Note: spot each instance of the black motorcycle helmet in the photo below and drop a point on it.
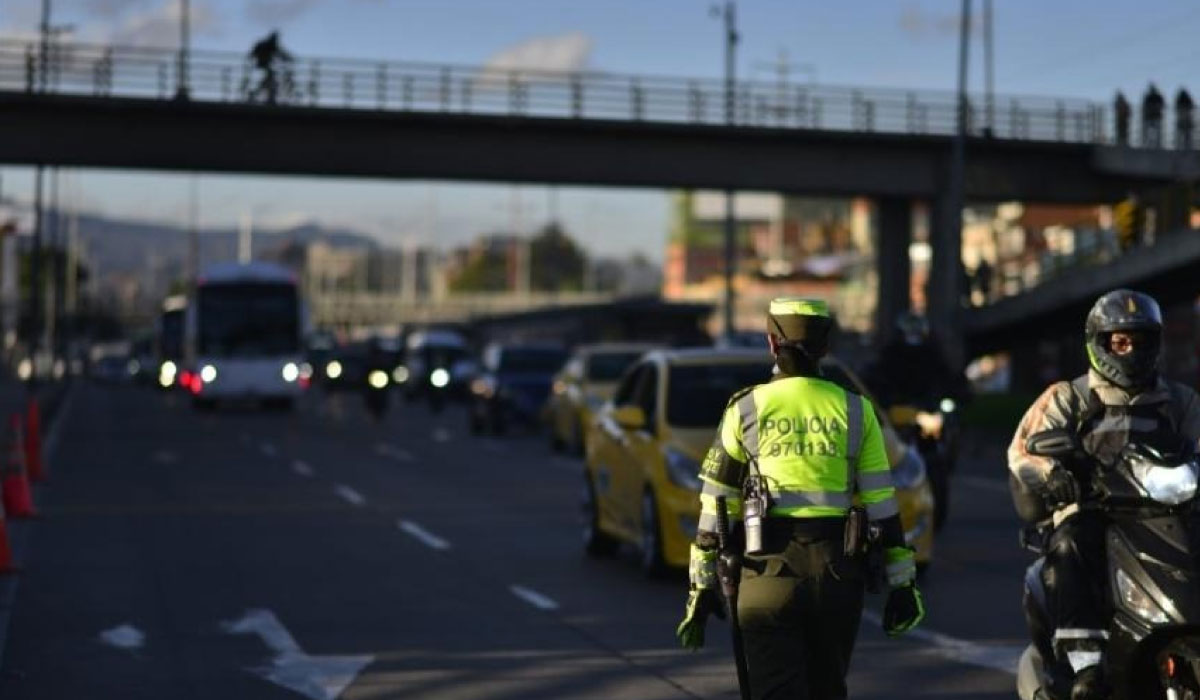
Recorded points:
(1124, 310)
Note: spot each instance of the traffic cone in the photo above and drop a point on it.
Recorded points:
(7, 564)
(17, 497)
(33, 442)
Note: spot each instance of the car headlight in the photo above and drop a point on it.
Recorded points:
(208, 374)
(306, 370)
(947, 405)
(1168, 485)
(400, 374)
(683, 471)
(930, 423)
(909, 473)
(378, 379)
(333, 370)
(439, 377)
(290, 372)
(484, 386)
(1136, 600)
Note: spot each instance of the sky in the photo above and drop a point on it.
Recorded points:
(1068, 48)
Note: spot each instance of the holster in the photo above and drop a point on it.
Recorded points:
(864, 540)
(855, 538)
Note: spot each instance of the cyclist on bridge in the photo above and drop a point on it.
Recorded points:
(267, 55)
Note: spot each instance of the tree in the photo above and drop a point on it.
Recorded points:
(558, 262)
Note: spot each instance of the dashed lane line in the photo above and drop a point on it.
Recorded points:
(350, 495)
(302, 468)
(534, 598)
(998, 657)
(424, 536)
(385, 450)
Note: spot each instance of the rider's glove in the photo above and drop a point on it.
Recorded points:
(904, 610)
(1061, 488)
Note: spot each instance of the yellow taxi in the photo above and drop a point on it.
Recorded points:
(581, 387)
(644, 448)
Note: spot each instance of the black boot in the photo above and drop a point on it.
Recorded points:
(1090, 684)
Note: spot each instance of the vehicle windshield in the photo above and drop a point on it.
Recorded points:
(171, 340)
(697, 394)
(545, 360)
(609, 366)
(443, 356)
(248, 319)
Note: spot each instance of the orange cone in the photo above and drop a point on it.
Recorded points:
(7, 565)
(17, 497)
(33, 442)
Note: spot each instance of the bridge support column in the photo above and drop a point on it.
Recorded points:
(944, 290)
(895, 217)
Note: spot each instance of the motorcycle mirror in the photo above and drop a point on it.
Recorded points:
(1056, 442)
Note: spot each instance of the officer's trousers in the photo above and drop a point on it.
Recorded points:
(799, 609)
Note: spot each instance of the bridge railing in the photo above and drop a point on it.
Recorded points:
(122, 71)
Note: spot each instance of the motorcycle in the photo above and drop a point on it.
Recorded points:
(933, 430)
(1153, 567)
(439, 386)
(376, 393)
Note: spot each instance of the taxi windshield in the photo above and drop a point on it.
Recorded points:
(697, 394)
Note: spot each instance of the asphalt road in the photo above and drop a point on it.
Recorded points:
(318, 554)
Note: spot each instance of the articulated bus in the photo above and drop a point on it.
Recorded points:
(244, 336)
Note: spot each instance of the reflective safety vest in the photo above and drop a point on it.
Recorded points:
(816, 444)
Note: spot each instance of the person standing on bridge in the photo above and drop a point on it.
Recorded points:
(1122, 398)
(1122, 112)
(1183, 119)
(269, 56)
(1153, 105)
(800, 451)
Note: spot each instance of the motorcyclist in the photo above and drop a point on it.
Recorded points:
(911, 368)
(376, 362)
(1122, 398)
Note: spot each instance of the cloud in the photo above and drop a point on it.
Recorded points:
(918, 24)
(275, 12)
(562, 53)
(111, 9)
(159, 26)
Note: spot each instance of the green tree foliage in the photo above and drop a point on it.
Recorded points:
(557, 264)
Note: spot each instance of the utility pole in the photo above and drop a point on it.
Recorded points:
(193, 268)
(988, 66)
(246, 238)
(35, 253)
(729, 14)
(182, 80)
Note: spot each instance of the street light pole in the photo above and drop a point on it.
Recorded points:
(185, 16)
(731, 39)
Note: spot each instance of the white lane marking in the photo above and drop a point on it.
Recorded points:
(302, 468)
(315, 677)
(441, 435)
(165, 457)
(350, 495)
(268, 449)
(980, 482)
(385, 450)
(426, 537)
(123, 637)
(534, 598)
(998, 657)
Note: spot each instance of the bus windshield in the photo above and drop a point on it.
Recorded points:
(248, 319)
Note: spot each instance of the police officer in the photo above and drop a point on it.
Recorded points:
(1121, 398)
(817, 447)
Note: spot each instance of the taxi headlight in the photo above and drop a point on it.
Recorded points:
(1136, 600)
(1167, 485)
(683, 471)
(909, 473)
(378, 379)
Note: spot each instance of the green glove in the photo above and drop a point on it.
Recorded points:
(701, 603)
(903, 611)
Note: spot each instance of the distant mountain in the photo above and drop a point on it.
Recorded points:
(116, 246)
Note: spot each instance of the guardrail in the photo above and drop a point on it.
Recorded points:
(122, 71)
